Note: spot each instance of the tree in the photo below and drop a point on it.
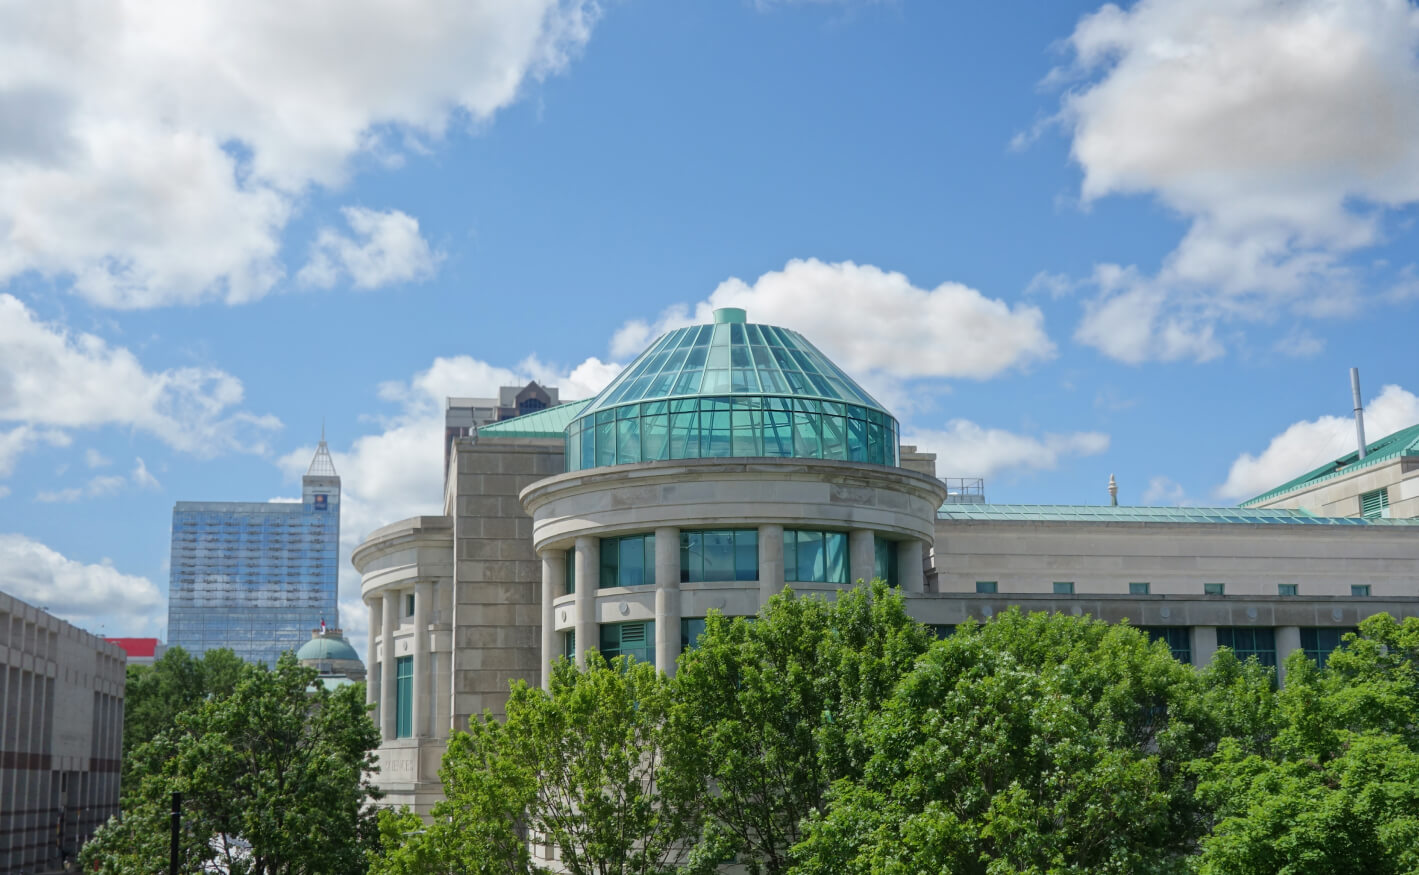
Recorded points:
(777, 707)
(591, 767)
(1040, 743)
(272, 778)
(155, 694)
(1337, 788)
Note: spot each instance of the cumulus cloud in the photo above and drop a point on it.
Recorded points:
(93, 596)
(871, 321)
(1308, 444)
(386, 248)
(154, 152)
(397, 472)
(52, 379)
(94, 459)
(108, 484)
(142, 478)
(965, 449)
(1281, 132)
(1165, 491)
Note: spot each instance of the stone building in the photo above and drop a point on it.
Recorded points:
(61, 736)
(731, 460)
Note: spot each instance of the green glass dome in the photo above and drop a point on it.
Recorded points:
(327, 649)
(731, 390)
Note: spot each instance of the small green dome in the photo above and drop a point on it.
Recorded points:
(731, 389)
(327, 649)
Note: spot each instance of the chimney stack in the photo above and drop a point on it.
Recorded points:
(1359, 410)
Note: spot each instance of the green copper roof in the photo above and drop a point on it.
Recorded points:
(730, 358)
(327, 647)
(1404, 442)
(549, 423)
(1109, 514)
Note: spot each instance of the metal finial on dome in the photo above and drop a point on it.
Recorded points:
(322, 465)
(1113, 491)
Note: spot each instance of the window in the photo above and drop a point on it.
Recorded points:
(942, 630)
(1375, 505)
(1360, 590)
(988, 587)
(1064, 587)
(628, 561)
(1138, 589)
(569, 560)
(1247, 642)
(1286, 589)
(1214, 589)
(722, 554)
(884, 564)
(530, 405)
(1178, 638)
(1319, 642)
(569, 644)
(815, 557)
(409, 605)
(403, 696)
(691, 628)
(636, 640)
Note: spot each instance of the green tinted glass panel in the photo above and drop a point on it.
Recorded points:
(691, 628)
(636, 640)
(815, 557)
(1247, 641)
(404, 696)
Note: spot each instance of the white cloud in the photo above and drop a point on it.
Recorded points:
(142, 478)
(95, 597)
(94, 459)
(1165, 491)
(386, 248)
(965, 449)
(398, 472)
(1281, 132)
(1308, 444)
(52, 379)
(873, 322)
(155, 152)
(98, 487)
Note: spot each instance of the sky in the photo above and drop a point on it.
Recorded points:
(1059, 240)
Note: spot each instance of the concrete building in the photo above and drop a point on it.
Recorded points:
(329, 653)
(731, 460)
(61, 736)
(255, 577)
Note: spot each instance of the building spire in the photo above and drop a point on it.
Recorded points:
(322, 465)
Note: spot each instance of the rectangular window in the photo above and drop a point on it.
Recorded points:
(884, 560)
(989, 587)
(1360, 590)
(569, 645)
(1178, 639)
(1138, 589)
(636, 640)
(628, 561)
(691, 628)
(1319, 642)
(409, 605)
(942, 630)
(719, 555)
(1064, 587)
(815, 557)
(1214, 589)
(403, 696)
(1247, 641)
(1375, 505)
(1286, 589)
(569, 561)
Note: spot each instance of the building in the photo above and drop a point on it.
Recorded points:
(61, 736)
(463, 416)
(329, 653)
(1380, 483)
(140, 651)
(255, 577)
(731, 460)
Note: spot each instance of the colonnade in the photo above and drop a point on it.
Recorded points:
(385, 629)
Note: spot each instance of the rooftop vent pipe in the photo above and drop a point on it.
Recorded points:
(1359, 410)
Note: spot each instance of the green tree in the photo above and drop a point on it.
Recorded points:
(1336, 788)
(272, 777)
(1039, 743)
(777, 708)
(591, 767)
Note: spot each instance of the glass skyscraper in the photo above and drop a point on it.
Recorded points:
(256, 577)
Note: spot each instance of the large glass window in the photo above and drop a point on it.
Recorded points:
(1179, 639)
(628, 561)
(815, 557)
(403, 696)
(1319, 642)
(636, 640)
(731, 426)
(569, 644)
(719, 554)
(691, 628)
(569, 563)
(1247, 641)
(884, 565)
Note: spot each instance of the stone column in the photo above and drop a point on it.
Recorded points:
(862, 555)
(388, 711)
(423, 668)
(588, 581)
(1288, 640)
(554, 582)
(910, 576)
(667, 598)
(770, 561)
(1204, 644)
(372, 653)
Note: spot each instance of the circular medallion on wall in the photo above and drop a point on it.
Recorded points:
(1251, 613)
(624, 608)
(1337, 614)
(1165, 613)
(564, 615)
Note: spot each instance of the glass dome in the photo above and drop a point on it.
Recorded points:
(731, 390)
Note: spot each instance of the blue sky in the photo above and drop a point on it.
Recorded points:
(1060, 240)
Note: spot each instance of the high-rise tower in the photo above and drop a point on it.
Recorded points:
(256, 577)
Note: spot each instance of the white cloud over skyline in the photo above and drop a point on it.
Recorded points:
(385, 248)
(95, 597)
(966, 449)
